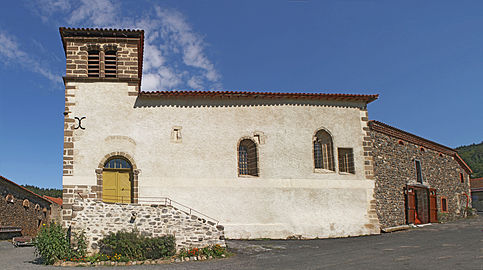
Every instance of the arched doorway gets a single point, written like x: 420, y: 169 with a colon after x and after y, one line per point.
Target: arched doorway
x: 117, y: 178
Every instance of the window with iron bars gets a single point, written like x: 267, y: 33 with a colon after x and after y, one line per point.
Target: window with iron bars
x: 247, y: 158
x: 346, y: 160
x: 323, y: 153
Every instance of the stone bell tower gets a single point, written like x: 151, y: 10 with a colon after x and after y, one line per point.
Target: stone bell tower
x: 94, y: 58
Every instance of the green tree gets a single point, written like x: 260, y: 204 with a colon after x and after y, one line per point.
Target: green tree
x: 473, y: 156
x: 52, y: 192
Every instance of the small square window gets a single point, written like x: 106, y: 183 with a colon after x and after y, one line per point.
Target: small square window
x: 176, y: 135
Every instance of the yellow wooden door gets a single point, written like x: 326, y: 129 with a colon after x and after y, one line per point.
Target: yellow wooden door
x: 109, y: 189
x: 116, y: 187
x: 123, y: 187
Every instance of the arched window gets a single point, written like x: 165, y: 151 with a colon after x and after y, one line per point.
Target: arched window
x: 93, y: 63
x: 323, y: 151
x: 110, y: 66
x: 117, y: 163
x: 247, y: 158
x: 9, y: 198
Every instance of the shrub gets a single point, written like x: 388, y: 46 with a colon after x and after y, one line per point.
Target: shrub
x: 134, y: 246
x: 214, y: 251
x: 218, y: 250
x: 52, y: 244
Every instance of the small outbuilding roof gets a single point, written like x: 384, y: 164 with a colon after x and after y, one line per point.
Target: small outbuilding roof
x: 20, y: 187
x: 54, y: 200
x: 414, y: 139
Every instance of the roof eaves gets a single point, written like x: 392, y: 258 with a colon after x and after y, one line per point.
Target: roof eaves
x: 15, y: 184
x: 247, y: 94
x: 373, y: 124
x: 463, y: 164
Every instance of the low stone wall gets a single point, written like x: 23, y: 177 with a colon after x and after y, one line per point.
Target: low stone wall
x: 97, y: 219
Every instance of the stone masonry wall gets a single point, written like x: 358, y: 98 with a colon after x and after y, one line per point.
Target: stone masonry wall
x: 394, y: 168
x: 97, y: 219
x: 71, y: 193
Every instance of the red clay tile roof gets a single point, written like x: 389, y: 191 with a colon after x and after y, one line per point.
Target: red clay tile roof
x: 107, y: 32
x: 414, y: 139
x: 19, y: 186
x: 53, y: 199
x: 264, y: 95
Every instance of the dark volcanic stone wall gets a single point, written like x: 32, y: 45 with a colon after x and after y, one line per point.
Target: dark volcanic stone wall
x: 394, y: 169
x: 14, y: 214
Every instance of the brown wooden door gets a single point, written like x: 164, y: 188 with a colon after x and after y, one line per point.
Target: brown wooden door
x: 433, y: 206
x: 410, y: 205
x: 422, y: 205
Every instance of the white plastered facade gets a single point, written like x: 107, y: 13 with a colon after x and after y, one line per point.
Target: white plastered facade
x: 288, y: 198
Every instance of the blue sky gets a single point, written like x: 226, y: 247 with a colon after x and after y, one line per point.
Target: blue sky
x: 424, y: 59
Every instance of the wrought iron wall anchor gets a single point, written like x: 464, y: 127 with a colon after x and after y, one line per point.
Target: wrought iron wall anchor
x: 79, y: 125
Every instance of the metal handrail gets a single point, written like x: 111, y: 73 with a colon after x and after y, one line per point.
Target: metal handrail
x: 160, y: 201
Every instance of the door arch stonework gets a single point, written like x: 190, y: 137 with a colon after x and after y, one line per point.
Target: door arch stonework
x: 135, y: 174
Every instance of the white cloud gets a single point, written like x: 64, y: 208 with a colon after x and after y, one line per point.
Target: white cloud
x: 174, y: 56
x: 45, y: 8
x: 195, y: 82
x: 97, y: 12
x: 12, y: 54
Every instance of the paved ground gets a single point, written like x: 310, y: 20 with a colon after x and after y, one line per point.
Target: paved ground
x: 457, y: 245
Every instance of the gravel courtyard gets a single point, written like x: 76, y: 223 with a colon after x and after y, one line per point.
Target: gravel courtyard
x: 456, y: 245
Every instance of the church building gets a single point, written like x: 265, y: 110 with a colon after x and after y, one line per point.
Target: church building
x: 262, y: 165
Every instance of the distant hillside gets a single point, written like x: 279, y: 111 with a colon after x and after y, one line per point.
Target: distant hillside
x: 473, y: 156
x: 52, y: 192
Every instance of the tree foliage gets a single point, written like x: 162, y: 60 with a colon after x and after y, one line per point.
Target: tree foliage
x: 473, y: 156
x: 52, y: 192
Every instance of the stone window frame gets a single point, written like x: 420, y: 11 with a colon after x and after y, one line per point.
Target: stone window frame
x: 26, y: 203
x: 135, y: 172
x: 443, y: 202
x: 256, y: 172
x: 462, y: 177
x: 416, y: 161
x: 10, y: 198
x: 350, y: 153
x: 334, y: 164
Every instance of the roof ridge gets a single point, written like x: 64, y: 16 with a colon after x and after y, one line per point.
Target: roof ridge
x: 413, y: 135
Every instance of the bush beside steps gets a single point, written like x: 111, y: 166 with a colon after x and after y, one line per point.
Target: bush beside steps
x: 54, y: 246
